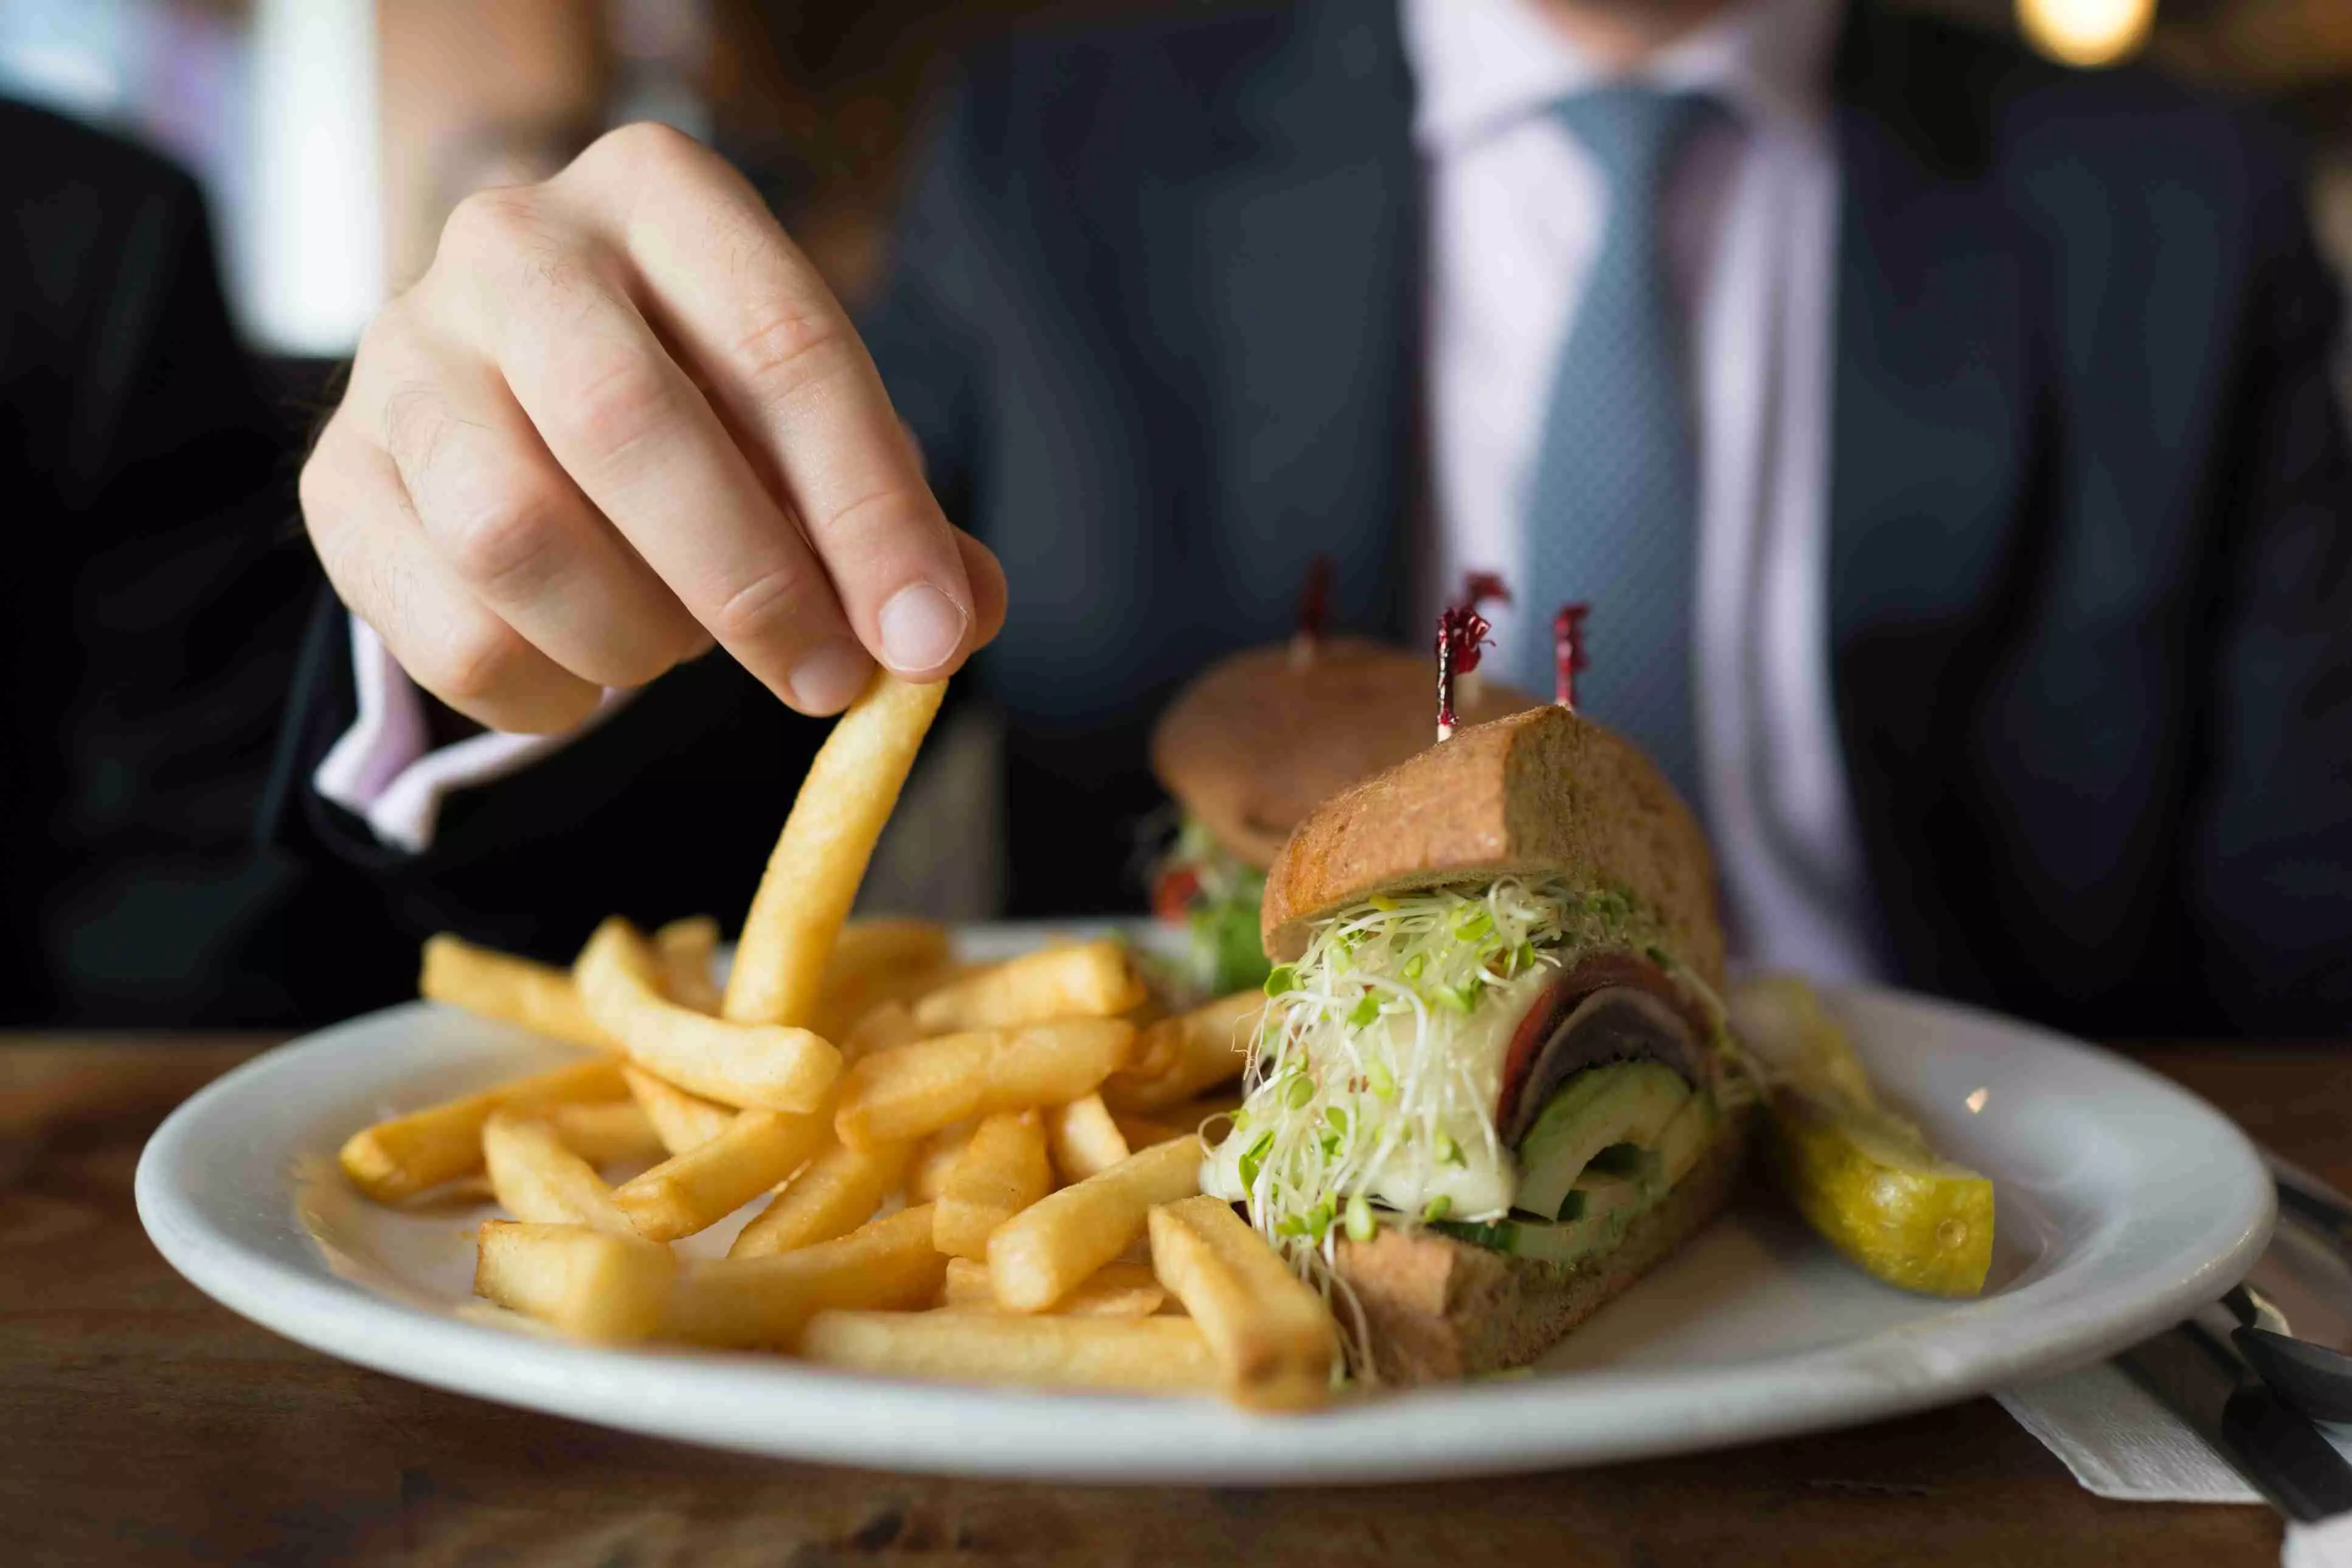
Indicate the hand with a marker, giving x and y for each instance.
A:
(620, 418)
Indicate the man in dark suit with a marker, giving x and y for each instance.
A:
(1169, 318)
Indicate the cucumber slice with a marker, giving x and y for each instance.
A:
(1618, 1103)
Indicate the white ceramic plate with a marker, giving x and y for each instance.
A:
(2123, 1201)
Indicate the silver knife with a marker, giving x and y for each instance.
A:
(2270, 1443)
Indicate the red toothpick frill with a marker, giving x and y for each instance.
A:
(1567, 652)
(1313, 610)
(1478, 587)
(1461, 633)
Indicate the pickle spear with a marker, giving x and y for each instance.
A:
(1863, 1176)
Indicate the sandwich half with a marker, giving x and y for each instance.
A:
(1250, 747)
(1494, 1084)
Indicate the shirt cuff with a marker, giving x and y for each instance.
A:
(384, 770)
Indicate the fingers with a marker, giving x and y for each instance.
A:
(645, 448)
(784, 367)
(986, 574)
(505, 519)
(375, 552)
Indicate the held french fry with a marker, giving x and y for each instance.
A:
(1004, 1169)
(681, 1120)
(743, 1302)
(687, 949)
(1156, 1356)
(496, 985)
(606, 1132)
(591, 1284)
(1084, 980)
(1083, 1139)
(757, 1065)
(919, 1088)
(694, 1191)
(1181, 1057)
(1041, 1253)
(1272, 1335)
(534, 1177)
(400, 1158)
(820, 858)
(837, 1193)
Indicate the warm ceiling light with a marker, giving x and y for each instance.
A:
(2087, 32)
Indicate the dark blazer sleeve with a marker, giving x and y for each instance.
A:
(2267, 873)
(156, 594)
(921, 327)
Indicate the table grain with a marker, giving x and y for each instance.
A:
(141, 1423)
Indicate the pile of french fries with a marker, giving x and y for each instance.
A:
(988, 1175)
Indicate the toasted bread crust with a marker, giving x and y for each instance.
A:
(1260, 739)
(1437, 1309)
(1541, 793)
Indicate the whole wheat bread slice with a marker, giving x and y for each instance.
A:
(1437, 1308)
(1542, 793)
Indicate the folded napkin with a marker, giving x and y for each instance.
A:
(2121, 1441)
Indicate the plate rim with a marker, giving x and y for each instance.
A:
(1491, 1428)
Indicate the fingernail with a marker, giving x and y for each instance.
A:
(922, 628)
(829, 679)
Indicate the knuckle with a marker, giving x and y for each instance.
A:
(645, 147)
(496, 222)
(619, 403)
(759, 606)
(784, 354)
(501, 537)
(475, 665)
(411, 422)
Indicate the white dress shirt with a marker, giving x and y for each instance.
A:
(1517, 209)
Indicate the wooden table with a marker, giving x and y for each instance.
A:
(141, 1423)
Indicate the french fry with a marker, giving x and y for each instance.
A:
(1117, 1290)
(1004, 1169)
(694, 1191)
(876, 961)
(1272, 1335)
(1083, 980)
(400, 1158)
(935, 1156)
(966, 1285)
(820, 858)
(885, 1026)
(1157, 1355)
(1141, 1132)
(606, 1132)
(1083, 1139)
(919, 1088)
(681, 1120)
(591, 1284)
(837, 1193)
(1181, 1057)
(1041, 1253)
(534, 1177)
(687, 949)
(765, 1302)
(496, 985)
(759, 1066)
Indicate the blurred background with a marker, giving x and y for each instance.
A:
(335, 135)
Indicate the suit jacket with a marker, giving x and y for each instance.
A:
(1155, 320)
